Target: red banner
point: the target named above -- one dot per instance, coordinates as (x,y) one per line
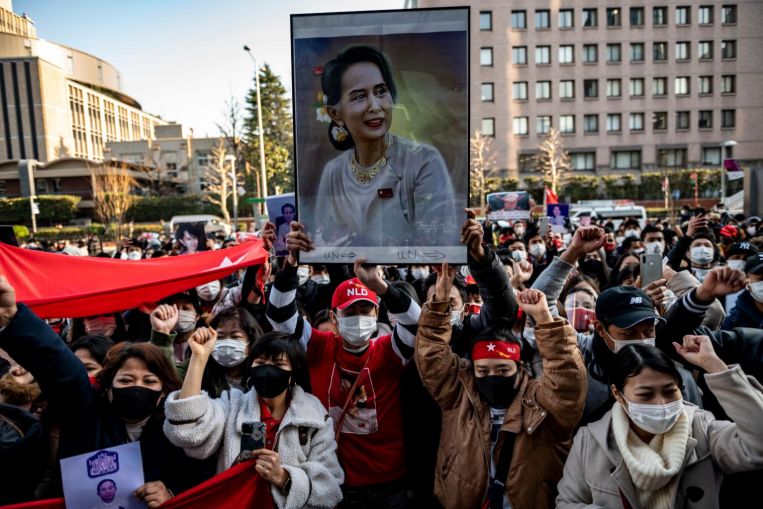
(551,197)
(57,286)
(234,488)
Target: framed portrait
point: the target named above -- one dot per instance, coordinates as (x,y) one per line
(381,130)
(282,210)
(509,205)
(191,237)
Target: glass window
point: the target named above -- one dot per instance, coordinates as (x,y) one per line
(614,17)
(487,92)
(542,18)
(711,155)
(705,85)
(660,16)
(613,53)
(567,124)
(488,126)
(519,20)
(683,50)
(542,90)
(728,49)
(543,124)
(567,89)
(705,14)
(683,120)
(519,90)
(590,88)
(636,122)
(542,54)
(682,85)
(583,161)
(591,123)
(659,86)
(671,157)
(486,56)
(728,118)
(705,50)
(660,51)
(728,84)
(729,14)
(566,54)
(566,18)
(613,122)
(589,18)
(526,162)
(519,125)
(637,52)
(636,87)
(486,20)
(705,119)
(660,120)
(590,53)
(519,55)
(683,15)
(626,159)
(613,88)
(637,16)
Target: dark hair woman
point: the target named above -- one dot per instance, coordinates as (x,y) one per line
(126,405)
(361,94)
(664,452)
(91,351)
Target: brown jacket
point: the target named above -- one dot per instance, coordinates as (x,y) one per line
(543,415)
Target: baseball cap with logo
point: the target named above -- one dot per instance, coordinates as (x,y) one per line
(625,306)
(754,264)
(350,292)
(744,248)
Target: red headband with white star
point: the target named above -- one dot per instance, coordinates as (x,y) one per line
(495,350)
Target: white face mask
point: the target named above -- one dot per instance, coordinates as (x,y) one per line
(622,343)
(209,291)
(752,230)
(303,273)
(656,419)
(619,240)
(700,274)
(756,290)
(736,264)
(321,279)
(186,321)
(124,256)
(356,329)
(633,233)
(134,255)
(656,247)
(519,255)
(419,272)
(537,250)
(701,255)
(229,352)
(455,318)
(638,250)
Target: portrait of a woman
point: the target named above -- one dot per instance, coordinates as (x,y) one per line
(382,189)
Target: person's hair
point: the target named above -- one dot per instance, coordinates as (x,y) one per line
(632,359)
(97,345)
(321,316)
(292,207)
(650,228)
(504,254)
(271,346)
(98,488)
(331,80)
(189,296)
(158,253)
(192,229)
(243,319)
(629,271)
(628,243)
(155,359)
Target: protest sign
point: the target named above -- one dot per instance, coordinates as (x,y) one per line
(103,479)
(381,110)
(558,216)
(281,212)
(509,205)
(191,237)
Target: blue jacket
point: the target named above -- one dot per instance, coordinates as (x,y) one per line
(744,314)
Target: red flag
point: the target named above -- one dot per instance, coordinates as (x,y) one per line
(56,285)
(551,197)
(233,488)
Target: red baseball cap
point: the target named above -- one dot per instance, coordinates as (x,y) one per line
(350,292)
(729,231)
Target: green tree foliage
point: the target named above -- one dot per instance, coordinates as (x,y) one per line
(155,208)
(54,209)
(277,133)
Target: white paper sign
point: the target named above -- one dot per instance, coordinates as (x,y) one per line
(103,479)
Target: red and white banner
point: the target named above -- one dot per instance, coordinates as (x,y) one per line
(56,286)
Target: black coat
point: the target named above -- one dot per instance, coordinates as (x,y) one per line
(87,422)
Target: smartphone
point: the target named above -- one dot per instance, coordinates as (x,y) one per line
(252,436)
(543,226)
(699,211)
(8,236)
(651,268)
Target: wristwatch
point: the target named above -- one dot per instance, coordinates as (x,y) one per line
(286,485)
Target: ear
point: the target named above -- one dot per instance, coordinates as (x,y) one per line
(333,318)
(617,395)
(600,330)
(334,114)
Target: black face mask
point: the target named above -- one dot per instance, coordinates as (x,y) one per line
(497,391)
(591,267)
(269,381)
(134,403)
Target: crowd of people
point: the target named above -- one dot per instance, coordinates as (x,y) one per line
(544,373)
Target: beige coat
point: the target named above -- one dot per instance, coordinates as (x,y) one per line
(595,475)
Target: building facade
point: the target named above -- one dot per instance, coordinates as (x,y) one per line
(631,86)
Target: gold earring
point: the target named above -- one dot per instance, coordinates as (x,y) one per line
(339,133)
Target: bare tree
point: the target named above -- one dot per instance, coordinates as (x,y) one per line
(483,162)
(552,160)
(219,180)
(112,194)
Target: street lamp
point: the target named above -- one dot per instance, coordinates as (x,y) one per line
(263,177)
(726,146)
(234,188)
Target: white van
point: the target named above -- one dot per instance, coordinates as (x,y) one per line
(608,212)
(212,224)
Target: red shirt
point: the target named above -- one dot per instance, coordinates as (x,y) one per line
(271,428)
(371,448)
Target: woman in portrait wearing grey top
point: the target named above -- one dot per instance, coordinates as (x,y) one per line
(383,190)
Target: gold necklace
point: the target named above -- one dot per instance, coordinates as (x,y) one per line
(364,175)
